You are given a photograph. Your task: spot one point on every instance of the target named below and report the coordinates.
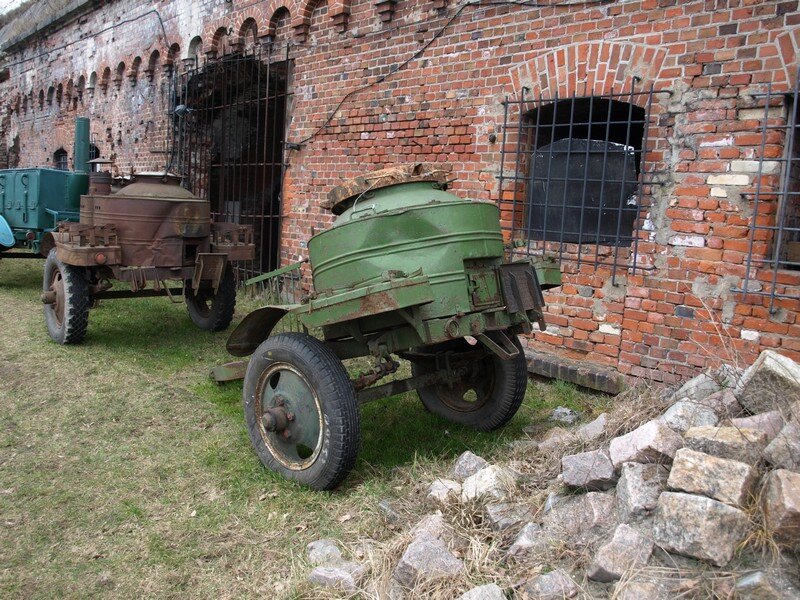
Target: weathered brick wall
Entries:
(704, 58)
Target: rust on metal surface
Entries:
(234, 240)
(377, 373)
(339, 196)
(151, 231)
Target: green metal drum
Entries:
(411, 228)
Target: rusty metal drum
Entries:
(158, 223)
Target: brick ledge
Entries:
(581, 373)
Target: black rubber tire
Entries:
(69, 328)
(326, 374)
(503, 384)
(209, 311)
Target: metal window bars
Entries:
(231, 115)
(774, 242)
(574, 183)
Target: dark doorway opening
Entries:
(584, 171)
(231, 120)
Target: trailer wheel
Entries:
(301, 410)
(67, 300)
(210, 311)
(486, 399)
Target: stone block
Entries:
(784, 451)
(756, 586)
(723, 403)
(467, 464)
(734, 443)
(555, 585)
(780, 502)
(652, 442)
(770, 423)
(532, 538)
(426, 559)
(443, 491)
(556, 439)
(492, 481)
(344, 576)
(505, 515)
(323, 552)
(639, 590)
(728, 481)
(699, 527)
(639, 487)
(685, 414)
(432, 526)
(769, 382)
(593, 430)
(591, 470)
(562, 414)
(628, 550)
(697, 388)
(582, 519)
(490, 591)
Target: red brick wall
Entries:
(704, 58)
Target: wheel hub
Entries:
(290, 416)
(277, 418)
(54, 297)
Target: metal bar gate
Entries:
(230, 119)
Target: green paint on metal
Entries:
(81, 148)
(360, 302)
(275, 273)
(32, 201)
(434, 231)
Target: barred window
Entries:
(571, 181)
(774, 244)
(60, 160)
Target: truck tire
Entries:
(301, 410)
(210, 311)
(485, 400)
(68, 317)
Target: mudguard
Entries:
(6, 235)
(254, 329)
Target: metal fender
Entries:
(6, 235)
(254, 329)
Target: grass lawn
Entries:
(124, 471)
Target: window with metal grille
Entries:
(571, 177)
(60, 160)
(774, 243)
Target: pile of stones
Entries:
(698, 486)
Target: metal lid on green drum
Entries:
(343, 195)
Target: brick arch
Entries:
(788, 44)
(248, 24)
(589, 68)
(274, 10)
(338, 12)
(220, 32)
